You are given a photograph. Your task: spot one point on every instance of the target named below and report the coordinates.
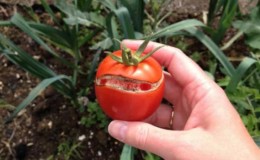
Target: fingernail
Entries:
(118, 129)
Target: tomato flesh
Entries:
(123, 83)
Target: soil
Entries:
(50, 120)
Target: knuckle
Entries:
(142, 136)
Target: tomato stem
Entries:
(132, 58)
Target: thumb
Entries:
(144, 136)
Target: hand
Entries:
(205, 124)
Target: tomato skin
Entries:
(148, 70)
(130, 105)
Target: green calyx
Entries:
(130, 58)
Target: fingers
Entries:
(172, 90)
(182, 68)
(161, 117)
(144, 136)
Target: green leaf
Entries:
(51, 34)
(136, 10)
(34, 93)
(24, 26)
(85, 5)
(251, 28)
(240, 72)
(215, 50)
(150, 156)
(125, 22)
(176, 28)
(228, 13)
(29, 64)
(104, 44)
(127, 153)
(74, 15)
(212, 10)
(112, 29)
(5, 23)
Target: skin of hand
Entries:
(205, 124)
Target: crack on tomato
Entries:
(126, 84)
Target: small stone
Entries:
(18, 76)
(82, 137)
(99, 153)
(50, 125)
(29, 144)
(1, 85)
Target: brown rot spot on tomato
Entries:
(126, 84)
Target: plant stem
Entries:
(232, 40)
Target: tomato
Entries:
(129, 92)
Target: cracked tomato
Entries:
(129, 87)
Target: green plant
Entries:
(157, 14)
(227, 11)
(69, 34)
(67, 150)
(94, 116)
(250, 27)
(150, 156)
(127, 153)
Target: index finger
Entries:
(181, 67)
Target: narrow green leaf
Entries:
(136, 10)
(150, 53)
(251, 28)
(29, 64)
(34, 93)
(177, 27)
(24, 26)
(104, 44)
(240, 72)
(215, 50)
(127, 153)
(116, 58)
(142, 47)
(85, 5)
(228, 13)
(125, 22)
(212, 10)
(51, 34)
(112, 29)
(190, 27)
(74, 16)
(5, 23)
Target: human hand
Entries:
(205, 124)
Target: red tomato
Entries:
(129, 92)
